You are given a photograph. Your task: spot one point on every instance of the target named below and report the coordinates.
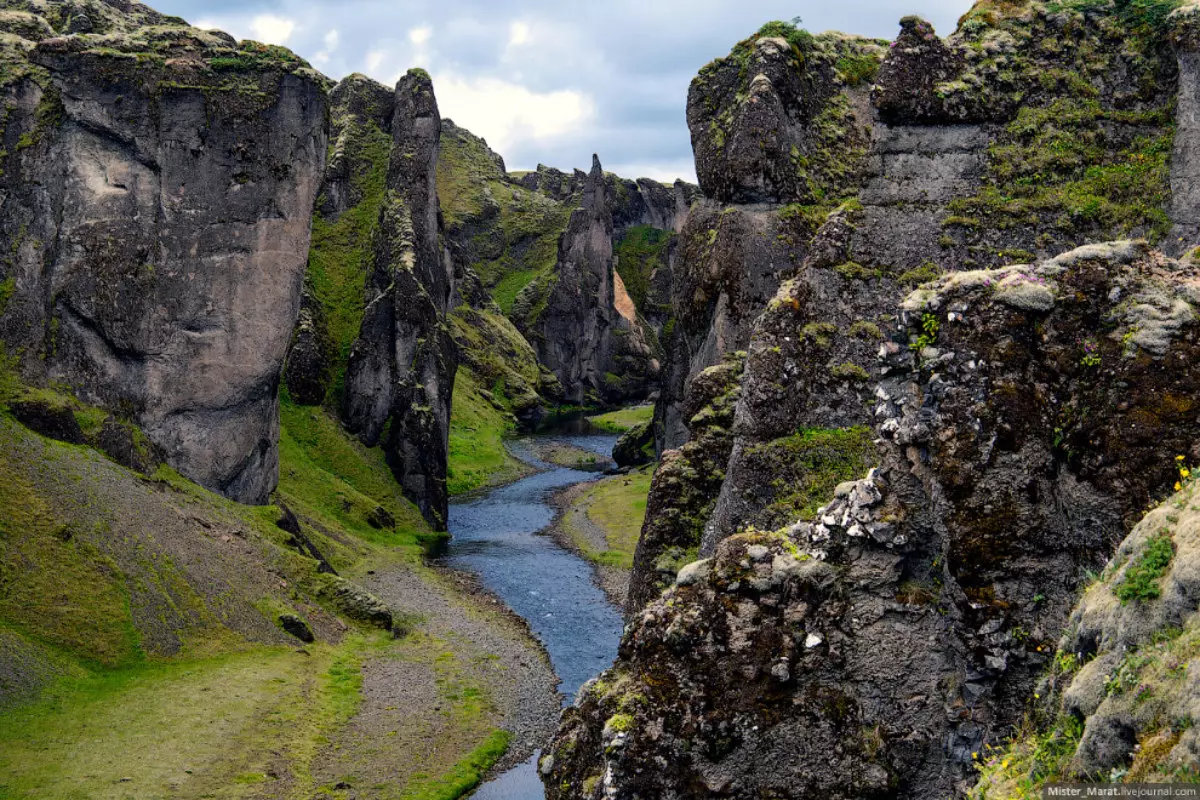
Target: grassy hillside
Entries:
(510, 233)
(141, 649)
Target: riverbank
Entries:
(601, 522)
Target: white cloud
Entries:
(505, 113)
(374, 61)
(518, 34)
(662, 171)
(272, 29)
(331, 44)
(420, 36)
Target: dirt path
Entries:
(432, 704)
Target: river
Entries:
(495, 536)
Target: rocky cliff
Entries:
(159, 182)
(581, 320)
(884, 631)
(400, 374)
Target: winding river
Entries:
(496, 537)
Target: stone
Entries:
(297, 627)
(52, 420)
(635, 447)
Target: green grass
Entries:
(623, 419)
(618, 507)
(54, 586)
(528, 223)
(811, 464)
(326, 474)
(1141, 580)
(508, 287)
(341, 254)
(465, 775)
(478, 457)
(639, 253)
(153, 729)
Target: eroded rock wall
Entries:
(159, 183)
(400, 377)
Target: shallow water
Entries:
(496, 537)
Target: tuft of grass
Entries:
(1141, 580)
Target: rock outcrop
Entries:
(158, 184)
(1121, 699)
(780, 129)
(865, 638)
(904, 627)
(599, 352)
(400, 375)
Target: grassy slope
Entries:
(478, 457)
(617, 506)
(91, 600)
(623, 419)
(341, 250)
(529, 223)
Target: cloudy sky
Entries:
(549, 81)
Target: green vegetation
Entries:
(478, 457)
(326, 475)
(179, 718)
(55, 586)
(810, 464)
(623, 419)
(616, 506)
(930, 327)
(640, 252)
(1141, 581)
(850, 372)
(928, 271)
(465, 775)
(1073, 159)
(342, 255)
(529, 223)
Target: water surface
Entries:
(496, 536)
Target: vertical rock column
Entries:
(400, 377)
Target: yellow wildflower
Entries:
(1179, 458)
(1185, 473)
(1178, 486)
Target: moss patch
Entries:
(806, 467)
(640, 252)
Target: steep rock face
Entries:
(783, 119)
(1001, 481)
(764, 119)
(344, 222)
(597, 353)
(1123, 697)
(874, 649)
(159, 183)
(400, 376)
(686, 484)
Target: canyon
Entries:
(293, 372)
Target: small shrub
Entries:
(850, 372)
